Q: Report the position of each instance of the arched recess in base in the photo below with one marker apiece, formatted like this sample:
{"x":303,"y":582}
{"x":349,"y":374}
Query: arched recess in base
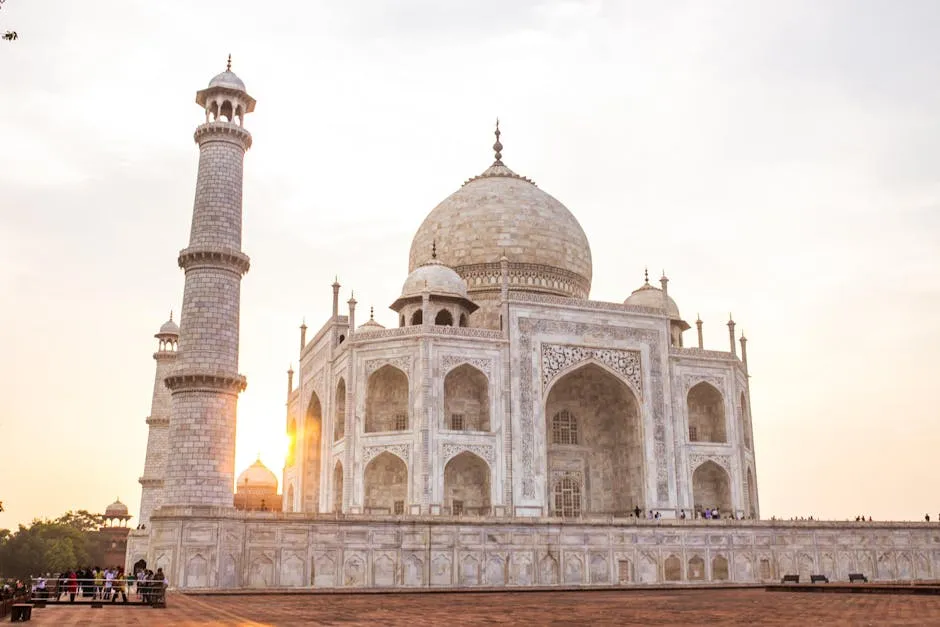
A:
{"x":711,"y":488}
{"x":467,"y":485}
{"x":385,"y":482}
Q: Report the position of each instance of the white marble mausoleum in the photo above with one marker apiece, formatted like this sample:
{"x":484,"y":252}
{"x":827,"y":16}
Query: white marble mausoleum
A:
{"x":507,"y":432}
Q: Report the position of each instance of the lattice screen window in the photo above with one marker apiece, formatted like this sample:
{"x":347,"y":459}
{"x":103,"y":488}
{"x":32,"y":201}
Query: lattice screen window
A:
{"x":693,"y":434}
{"x":457,"y":508}
{"x":399,"y":507}
{"x":401,"y":422}
{"x":457,"y":422}
{"x":564,"y":428}
{"x":567,"y":498}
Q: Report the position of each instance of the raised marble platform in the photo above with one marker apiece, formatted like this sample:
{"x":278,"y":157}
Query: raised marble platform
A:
{"x":220,"y":548}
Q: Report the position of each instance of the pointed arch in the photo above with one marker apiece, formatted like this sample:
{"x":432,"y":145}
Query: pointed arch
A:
{"x":385,"y":479}
{"x":444,"y":318}
{"x":466,"y":399}
{"x":338,"y":487}
{"x":467,"y":484}
{"x":561,"y":374}
{"x":313,"y":431}
{"x":291,"y":442}
{"x":746,"y":424}
{"x":463,"y":320}
{"x":711,"y":488}
{"x":706,"y":412}
{"x":603,"y":443}
{"x":750,"y":493}
{"x":339,"y":415}
{"x":417,"y":317}
{"x":387,"y":406}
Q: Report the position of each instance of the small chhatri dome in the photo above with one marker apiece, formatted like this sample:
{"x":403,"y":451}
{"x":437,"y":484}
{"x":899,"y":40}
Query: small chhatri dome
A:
{"x":437,"y":278}
{"x":228,"y":78}
{"x":169,"y":327}
{"x":256,"y":476}
{"x":117,"y":509}
{"x":371,"y":324}
{"x":648,"y":296}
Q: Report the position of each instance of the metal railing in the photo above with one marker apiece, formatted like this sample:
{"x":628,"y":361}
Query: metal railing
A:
{"x":98,"y":590}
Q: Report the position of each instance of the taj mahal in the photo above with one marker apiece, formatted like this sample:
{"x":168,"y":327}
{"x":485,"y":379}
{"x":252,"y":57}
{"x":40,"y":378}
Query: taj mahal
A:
{"x":510,"y":431}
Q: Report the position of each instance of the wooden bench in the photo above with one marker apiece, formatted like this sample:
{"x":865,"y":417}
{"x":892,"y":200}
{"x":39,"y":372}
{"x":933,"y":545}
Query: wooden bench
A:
{"x":818,"y":579}
{"x":21,"y":613}
{"x":857,"y":577}
{"x":790,"y":579}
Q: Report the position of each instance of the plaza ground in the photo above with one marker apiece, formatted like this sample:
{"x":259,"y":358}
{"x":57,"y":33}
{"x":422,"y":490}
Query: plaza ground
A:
{"x":747,"y":606}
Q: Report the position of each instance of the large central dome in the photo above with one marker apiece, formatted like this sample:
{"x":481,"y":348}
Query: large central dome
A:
{"x":501,"y":213}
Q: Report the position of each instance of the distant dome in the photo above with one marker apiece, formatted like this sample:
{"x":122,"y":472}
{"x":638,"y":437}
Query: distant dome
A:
{"x":116,"y":509}
{"x":169,"y":327}
{"x":256,"y":476}
{"x":229,"y":80}
{"x":438,"y":278}
{"x":648,"y":296}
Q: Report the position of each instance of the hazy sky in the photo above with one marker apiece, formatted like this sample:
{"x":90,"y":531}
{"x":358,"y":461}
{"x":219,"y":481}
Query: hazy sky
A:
{"x":778,"y":159}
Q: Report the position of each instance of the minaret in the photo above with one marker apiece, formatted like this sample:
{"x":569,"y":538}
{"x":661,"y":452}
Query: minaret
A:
{"x":151,"y":493}
{"x":205,"y":384}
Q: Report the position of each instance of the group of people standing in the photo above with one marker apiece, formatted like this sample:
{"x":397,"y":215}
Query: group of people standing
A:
{"x":99,"y":584}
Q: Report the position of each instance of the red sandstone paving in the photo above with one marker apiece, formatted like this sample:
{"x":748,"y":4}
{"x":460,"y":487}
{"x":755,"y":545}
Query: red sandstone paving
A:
{"x":594,"y":608}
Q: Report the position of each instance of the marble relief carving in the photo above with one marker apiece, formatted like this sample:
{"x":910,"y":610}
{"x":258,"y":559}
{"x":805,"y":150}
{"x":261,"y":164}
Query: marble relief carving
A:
{"x":530,"y":327}
{"x":559,"y":357}
{"x":449,"y":362}
{"x":401,"y":450}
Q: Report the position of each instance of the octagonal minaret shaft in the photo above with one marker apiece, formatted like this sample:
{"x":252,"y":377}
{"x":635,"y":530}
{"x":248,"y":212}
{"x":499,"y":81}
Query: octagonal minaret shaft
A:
{"x":151,"y":494}
{"x":205,"y":383}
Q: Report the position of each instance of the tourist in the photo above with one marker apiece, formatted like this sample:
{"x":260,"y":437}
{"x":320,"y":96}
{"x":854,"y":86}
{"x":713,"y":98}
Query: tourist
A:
{"x":927,"y":517}
{"x":72,"y":586}
{"x":120,"y":585}
{"x":98,"y":578}
{"x":682,"y":514}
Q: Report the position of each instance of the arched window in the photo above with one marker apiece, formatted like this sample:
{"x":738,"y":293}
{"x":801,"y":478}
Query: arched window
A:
{"x":401,"y":321}
{"x":444,"y":318}
{"x":567,"y":498}
{"x":463,"y":319}
{"x":417,"y":318}
{"x":342,"y":339}
{"x":564,"y":428}
{"x":226,"y":111}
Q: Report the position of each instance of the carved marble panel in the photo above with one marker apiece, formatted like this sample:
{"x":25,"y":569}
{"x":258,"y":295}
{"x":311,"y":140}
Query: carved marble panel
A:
{"x":559,"y":357}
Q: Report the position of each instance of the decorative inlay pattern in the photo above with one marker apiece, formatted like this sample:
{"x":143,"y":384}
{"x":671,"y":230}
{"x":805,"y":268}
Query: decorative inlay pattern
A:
{"x":402,"y":363}
{"x":401,"y":450}
{"x":529,"y":327}
{"x":691,"y":380}
{"x":484,"y":451}
{"x":558,"y":357}
{"x":697,"y":459}
{"x":449,"y":362}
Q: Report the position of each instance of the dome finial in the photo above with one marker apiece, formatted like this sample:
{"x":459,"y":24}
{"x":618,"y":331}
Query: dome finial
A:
{"x":646,"y":276}
{"x":498,"y":147}
{"x":171,"y":315}
{"x":371,"y":313}
{"x":434,"y":249}
{"x":228,"y":64}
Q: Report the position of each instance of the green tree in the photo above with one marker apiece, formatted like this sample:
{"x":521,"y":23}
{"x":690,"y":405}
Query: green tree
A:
{"x":48,"y":546}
